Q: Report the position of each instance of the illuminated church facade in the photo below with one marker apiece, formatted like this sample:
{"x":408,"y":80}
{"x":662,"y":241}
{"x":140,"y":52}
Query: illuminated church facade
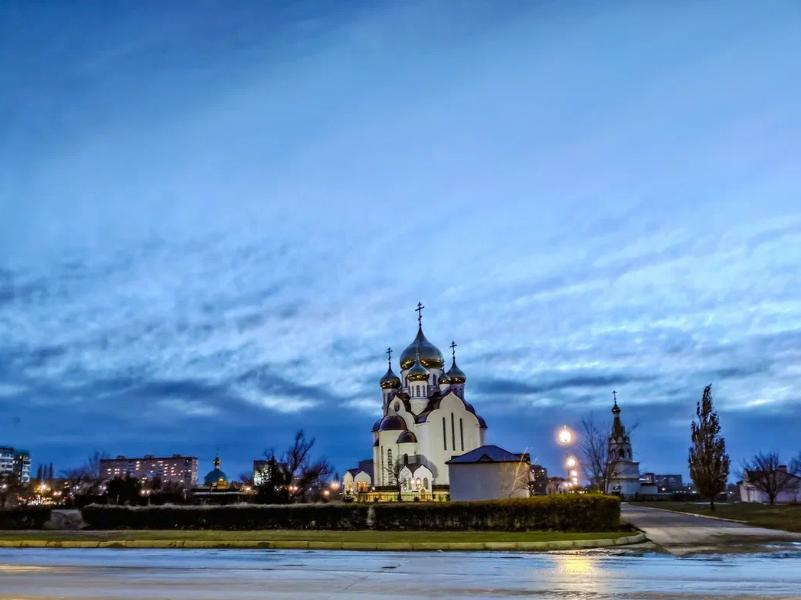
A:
{"x":425,"y":421}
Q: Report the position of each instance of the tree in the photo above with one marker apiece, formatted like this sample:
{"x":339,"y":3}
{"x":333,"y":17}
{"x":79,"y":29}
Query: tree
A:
{"x":294,"y":477}
{"x":393,"y":472}
{"x":766,"y":473}
{"x":598,"y":464}
{"x":708,"y":461}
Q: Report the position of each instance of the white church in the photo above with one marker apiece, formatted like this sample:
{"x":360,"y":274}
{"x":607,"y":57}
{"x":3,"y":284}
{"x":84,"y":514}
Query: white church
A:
{"x":425,"y":422}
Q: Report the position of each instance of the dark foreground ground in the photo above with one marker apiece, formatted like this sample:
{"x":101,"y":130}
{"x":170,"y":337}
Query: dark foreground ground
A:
{"x":294,"y":574}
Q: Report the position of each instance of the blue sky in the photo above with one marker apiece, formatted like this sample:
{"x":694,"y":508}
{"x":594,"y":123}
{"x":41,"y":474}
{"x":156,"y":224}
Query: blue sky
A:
{"x":214,"y":219}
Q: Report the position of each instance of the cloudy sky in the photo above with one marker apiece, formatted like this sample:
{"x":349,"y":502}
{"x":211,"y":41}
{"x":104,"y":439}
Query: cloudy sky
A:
{"x":214,"y":218}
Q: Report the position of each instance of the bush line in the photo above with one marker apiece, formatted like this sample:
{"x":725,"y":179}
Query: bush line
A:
{"x":590,"y":512}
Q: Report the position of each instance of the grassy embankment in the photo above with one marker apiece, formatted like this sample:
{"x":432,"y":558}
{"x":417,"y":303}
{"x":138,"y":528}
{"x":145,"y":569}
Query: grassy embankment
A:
{"x":786,"y":516}
{"x":428,"y":540}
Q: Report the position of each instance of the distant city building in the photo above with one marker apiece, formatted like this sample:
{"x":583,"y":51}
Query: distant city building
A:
{"x":668,"y":483}
{"x":425,"y":421}
{"x":262,"y":471}
{"x":173,"y":469}
{"x":22,"y":466}
{"x":488,"y":473}
{"x":218,"y":489}
{"x":539,"y":480}
{"x":15,"y":463}
{"x":625,"y":480}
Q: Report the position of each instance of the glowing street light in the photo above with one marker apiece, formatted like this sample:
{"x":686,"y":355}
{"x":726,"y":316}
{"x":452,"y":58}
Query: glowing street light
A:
{"x":571,"y":462}
{"x":565,"y":436}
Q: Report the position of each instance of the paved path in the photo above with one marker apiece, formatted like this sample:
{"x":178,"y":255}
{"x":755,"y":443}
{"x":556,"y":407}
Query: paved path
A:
{"x":682,"y":533}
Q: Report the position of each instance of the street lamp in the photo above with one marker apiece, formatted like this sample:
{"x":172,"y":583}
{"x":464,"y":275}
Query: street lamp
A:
{"x":565,"y":436}
{"x":571,"y":462}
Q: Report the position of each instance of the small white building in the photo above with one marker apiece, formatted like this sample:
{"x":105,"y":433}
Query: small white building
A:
{"x":489,"y":473}
{"x":790,"y":494}
{"x":358,"y":480}
{"x":625,"y":479}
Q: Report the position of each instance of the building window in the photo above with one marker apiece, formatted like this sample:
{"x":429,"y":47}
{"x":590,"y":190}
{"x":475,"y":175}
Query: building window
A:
{"x":444,"y":435}
{"x":461,"y":432}
{"x":405,"y":459}
{"x":390,"y":466}
{"x":425,"y":482}
{"x":453,"y":432}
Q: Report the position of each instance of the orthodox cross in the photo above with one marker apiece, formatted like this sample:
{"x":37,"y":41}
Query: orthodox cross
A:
{"x":614,"y":395}
{"x":419,"y":311}
{"x":389,"y":356}
{"x":453,"y":350}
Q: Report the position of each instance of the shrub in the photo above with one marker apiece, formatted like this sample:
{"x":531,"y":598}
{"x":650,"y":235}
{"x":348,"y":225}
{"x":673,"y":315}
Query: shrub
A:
{"x":591,"y":512}
{"x":24,"y":517}
{"x":242,"y":516}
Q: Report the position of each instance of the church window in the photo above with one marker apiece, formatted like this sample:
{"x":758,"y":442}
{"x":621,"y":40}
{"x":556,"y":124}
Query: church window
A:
{"x":397,"y":406}
{"x":435,"y":380}
{"x":390,"y":465}
{"x":405,"y":459}
{"x":453,"y":432}
{"x":444,"y":434}
{"x":425,"y":482}
{"x":461,"y":432}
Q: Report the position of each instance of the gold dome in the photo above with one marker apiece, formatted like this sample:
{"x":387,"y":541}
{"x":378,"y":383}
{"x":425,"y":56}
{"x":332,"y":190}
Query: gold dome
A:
{"x":390,"y":381}
{"x":417,"y":373}
{"x":444,"y":378}
{"x":430,"y":356}
{"x":455,"y":374}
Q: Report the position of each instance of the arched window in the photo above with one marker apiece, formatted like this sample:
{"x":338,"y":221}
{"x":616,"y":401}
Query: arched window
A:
{"x":405,"y":459}
{"x":435,"y":380}
{"x":461,"y":432}
{"x":390,"y":466}
{"x":425,"y":482}
{"x":444,"y":434}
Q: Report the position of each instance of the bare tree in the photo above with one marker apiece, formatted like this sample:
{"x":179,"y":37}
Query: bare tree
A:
{"x":598,"y":463}
{"x":708,"y":461}
{"x":766,"y":473}
{"x":295,"y":476}
{"x":393,"y":472}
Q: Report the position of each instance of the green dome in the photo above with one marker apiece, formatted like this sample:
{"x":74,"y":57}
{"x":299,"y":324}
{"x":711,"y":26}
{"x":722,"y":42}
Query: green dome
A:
{"x":214,"y":476}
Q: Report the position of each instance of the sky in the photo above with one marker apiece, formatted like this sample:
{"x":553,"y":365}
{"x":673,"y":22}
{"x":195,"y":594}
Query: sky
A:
{"x":215,"y":217}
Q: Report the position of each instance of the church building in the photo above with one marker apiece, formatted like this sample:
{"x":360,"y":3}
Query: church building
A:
{"x":425,"y":422}
{"x":625,"y":479}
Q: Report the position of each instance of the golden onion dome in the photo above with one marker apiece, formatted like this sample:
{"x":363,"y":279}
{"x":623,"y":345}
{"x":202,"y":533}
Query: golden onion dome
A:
{"x":444,"y":378}
{"x":390,"y":381}
{"x":417,"y":373}
{"x":456,"y":375}
{"x":430,"y":356}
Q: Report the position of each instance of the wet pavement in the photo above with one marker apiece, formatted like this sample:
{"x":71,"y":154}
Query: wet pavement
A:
{"x":681,"y":533}
{"x":283,"y":574}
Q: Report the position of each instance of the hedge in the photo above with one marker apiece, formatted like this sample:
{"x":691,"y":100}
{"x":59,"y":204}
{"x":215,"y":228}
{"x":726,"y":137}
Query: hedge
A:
{"x":24,"y":517}
{"x":589,"y":512}
{"x":239,"y":516}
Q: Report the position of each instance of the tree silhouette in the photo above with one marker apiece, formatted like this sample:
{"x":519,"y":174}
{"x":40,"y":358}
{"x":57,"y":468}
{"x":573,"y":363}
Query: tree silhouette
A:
{"x":708,"y":461}
{"x":767,"y":474}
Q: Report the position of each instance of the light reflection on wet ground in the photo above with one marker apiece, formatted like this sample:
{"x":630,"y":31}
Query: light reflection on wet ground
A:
{"x":250,"y":574}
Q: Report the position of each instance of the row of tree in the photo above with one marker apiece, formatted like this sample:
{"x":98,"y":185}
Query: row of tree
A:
{"x":709,"y":463}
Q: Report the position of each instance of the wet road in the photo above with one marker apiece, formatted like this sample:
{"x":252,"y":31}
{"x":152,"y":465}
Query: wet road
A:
{"x":682,"y":533}
{"x":284,"y":574}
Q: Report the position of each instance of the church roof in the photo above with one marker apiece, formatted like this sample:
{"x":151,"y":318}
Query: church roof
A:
{"x":392,"y":422}
{"x":430,"y":356}
{"x":489,"y":453}
{"x":434,"y":402}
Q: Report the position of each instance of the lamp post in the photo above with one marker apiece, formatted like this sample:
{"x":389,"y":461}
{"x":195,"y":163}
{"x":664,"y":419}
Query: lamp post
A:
{"x":566,"y":438}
